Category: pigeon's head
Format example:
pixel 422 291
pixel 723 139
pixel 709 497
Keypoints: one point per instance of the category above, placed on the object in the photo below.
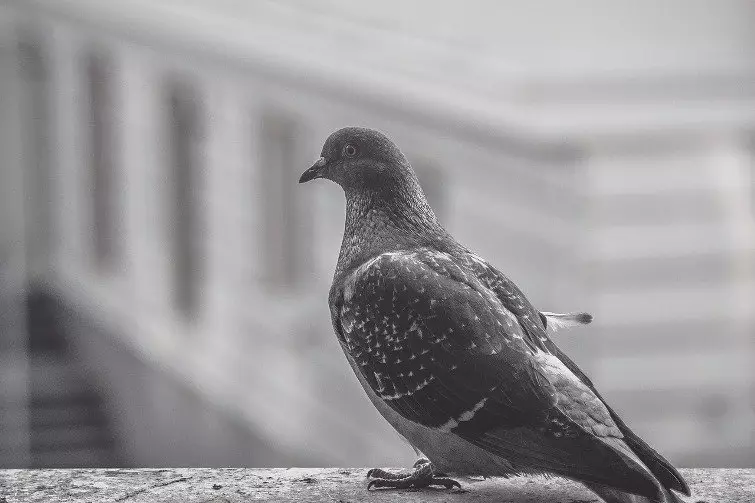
pixel 361 160
pixel 385 206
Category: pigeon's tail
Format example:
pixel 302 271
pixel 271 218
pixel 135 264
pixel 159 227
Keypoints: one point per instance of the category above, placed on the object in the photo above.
pixel 664 494
pixel 611 495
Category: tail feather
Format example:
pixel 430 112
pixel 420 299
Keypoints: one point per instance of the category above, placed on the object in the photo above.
pixel 664 471
pixel 611 495
pixel 664 493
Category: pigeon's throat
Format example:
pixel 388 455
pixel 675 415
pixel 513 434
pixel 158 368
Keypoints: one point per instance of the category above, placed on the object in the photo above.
pixel 375 225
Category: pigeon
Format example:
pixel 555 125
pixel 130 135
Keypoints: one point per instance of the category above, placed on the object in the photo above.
pixel 453 354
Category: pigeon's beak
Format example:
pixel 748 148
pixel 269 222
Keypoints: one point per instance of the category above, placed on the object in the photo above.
pixel 316 171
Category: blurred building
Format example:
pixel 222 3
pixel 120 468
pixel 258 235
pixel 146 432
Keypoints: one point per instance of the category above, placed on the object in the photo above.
pixel 599 153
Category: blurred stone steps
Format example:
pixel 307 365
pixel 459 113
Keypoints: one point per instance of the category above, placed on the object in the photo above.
pixel 50 414
pixel 57 378
pixel 69 437
pixel 85 457
pixel 68 424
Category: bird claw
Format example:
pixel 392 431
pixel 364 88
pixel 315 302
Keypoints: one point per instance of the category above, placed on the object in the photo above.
pixel 422 476
pixel 446 482
pixel 377 473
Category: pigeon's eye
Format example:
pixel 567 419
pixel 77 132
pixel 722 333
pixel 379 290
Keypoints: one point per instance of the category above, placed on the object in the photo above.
pixel 349 150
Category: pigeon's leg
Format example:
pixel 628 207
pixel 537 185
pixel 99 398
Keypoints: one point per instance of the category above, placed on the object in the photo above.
pixel 422 476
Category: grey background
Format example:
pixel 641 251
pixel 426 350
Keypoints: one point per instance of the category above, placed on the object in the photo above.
pixel 163 279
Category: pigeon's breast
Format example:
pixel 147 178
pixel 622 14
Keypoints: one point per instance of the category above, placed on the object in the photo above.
pixel 449 453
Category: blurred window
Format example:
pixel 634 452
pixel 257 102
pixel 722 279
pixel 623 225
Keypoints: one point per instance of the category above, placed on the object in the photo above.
pixel 185 182
pixel 36 144
pixel 101 129
pixel 284 236
pixel 432 179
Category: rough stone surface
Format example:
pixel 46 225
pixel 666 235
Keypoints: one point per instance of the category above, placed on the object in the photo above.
pixel 332 485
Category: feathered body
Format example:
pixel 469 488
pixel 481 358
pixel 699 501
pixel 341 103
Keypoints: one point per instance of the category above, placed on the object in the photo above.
pixel 453 354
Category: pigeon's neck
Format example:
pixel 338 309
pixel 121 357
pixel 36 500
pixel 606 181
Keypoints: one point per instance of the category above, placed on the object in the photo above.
pixel 377 224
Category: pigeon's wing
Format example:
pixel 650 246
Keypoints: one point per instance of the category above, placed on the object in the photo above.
pixel 422 334
pixel 538 334
pixel 511 297
pixel 442 350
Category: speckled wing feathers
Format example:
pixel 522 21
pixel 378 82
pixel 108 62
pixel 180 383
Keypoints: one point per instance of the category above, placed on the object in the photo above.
pixel 420 326
pixel 440 346
pixel 420 330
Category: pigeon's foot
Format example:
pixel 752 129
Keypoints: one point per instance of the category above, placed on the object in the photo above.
pixel 422 476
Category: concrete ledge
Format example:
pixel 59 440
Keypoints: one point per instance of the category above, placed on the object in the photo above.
pixel 332 485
